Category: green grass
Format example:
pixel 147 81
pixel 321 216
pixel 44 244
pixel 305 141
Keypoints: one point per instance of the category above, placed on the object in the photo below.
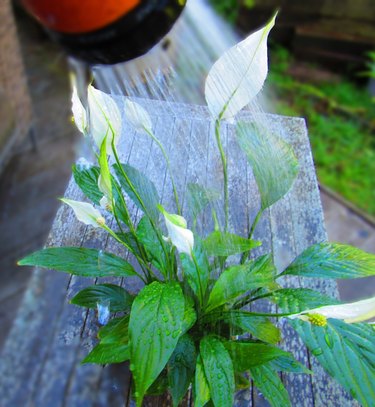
pixel 340 119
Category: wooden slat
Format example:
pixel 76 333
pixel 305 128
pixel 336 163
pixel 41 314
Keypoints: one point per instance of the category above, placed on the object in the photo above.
pixel 42 368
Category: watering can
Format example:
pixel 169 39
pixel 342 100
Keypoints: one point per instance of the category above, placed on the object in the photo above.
pixel 106 32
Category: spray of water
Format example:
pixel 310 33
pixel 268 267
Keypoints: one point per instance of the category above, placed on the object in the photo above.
pixel 173 71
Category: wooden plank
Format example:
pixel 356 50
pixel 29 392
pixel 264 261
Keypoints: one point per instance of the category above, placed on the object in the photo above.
pixel 46 367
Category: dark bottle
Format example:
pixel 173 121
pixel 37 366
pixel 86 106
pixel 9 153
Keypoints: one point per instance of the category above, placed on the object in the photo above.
pixel 106 31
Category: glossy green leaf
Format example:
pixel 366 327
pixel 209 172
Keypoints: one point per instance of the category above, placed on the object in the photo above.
pixel 118 298
pixel 202 394
pixel 260 327
pixel 287 363
pixel 227 244
pixel 132 242
pixel 346 351
pixel 104 182
pixel 155 327
pixel 272 160
pixel 246 354
pixel 116 331
pixel 87 180
pixel 237 280
pixel 196 271
pixel 333 260
pixel 218 369
pixel 190 315
pixel 147 236
pixel 269 384
pixel 140 189
pixel 238 75
pixel 198 198
pixel 296 300
pixel 181 368
pixel 79 261
pixel 104 354
pixel 113 346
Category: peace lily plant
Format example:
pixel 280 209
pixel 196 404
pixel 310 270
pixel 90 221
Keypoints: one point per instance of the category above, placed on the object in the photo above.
pixel 189 328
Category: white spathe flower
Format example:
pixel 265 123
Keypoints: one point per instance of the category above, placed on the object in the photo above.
pixel 350 313
pixel 79 112
pixel 178 234
pixel 105 118
pixel 137 116
pixel 238 75
pixel 85 212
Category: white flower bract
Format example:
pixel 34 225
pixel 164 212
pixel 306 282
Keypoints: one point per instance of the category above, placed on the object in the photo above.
pixel 137 116
pixel 178 234
pixel 105 118
pixel 350 313
pixel 85 212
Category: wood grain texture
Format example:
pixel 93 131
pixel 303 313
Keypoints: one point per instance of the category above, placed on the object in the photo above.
pixel 40 360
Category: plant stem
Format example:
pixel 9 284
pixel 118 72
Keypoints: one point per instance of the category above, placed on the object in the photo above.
pixel 199 278
pixel 247 301
pixel 219 314
pixel 168 167
pixel 225 171
pixel 113 234
pixel 131 186
pixel 245 255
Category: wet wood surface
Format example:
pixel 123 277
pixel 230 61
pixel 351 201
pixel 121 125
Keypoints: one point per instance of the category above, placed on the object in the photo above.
pixel 40 363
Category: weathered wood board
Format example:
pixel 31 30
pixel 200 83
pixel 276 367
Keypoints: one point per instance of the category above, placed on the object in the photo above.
pixel 40 363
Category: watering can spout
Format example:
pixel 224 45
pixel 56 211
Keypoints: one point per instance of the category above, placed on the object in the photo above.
pixel 106 32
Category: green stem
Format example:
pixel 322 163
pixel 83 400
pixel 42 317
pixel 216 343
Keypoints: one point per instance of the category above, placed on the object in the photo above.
pixel 225 172
pixel 199 279
pixel 247 301
pixel 168 167
pixel 113 234
pixel 131 186
pixel 131 227
pixel 219 314
pixel 245 255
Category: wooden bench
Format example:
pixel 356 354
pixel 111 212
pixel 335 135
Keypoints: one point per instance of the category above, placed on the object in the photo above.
pixel 40 364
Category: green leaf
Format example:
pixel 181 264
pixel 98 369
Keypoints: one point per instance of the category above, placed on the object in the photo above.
pixel 226 244
pixel 246 354
pixel 218 369
pixel 113 346
pixel 196 272
pixel 202 393
pixel 198 198
pixel 155 327
pixel 181 367
pixel 273 162
pixel 119 299
pixel 105 175
pixel 296 300
pixel 346 351
pixel 160 385
pixel 269 384
pixel 287 363
pixel 104 354
pixel 148 237
pixel 333 260
pixel 260 327
pixel 238 75
pixel 80 261
pixel 116 331
pixel 190 315
pixel 132 242
pixel 140 189
pixel 238 280
pixel 87 180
